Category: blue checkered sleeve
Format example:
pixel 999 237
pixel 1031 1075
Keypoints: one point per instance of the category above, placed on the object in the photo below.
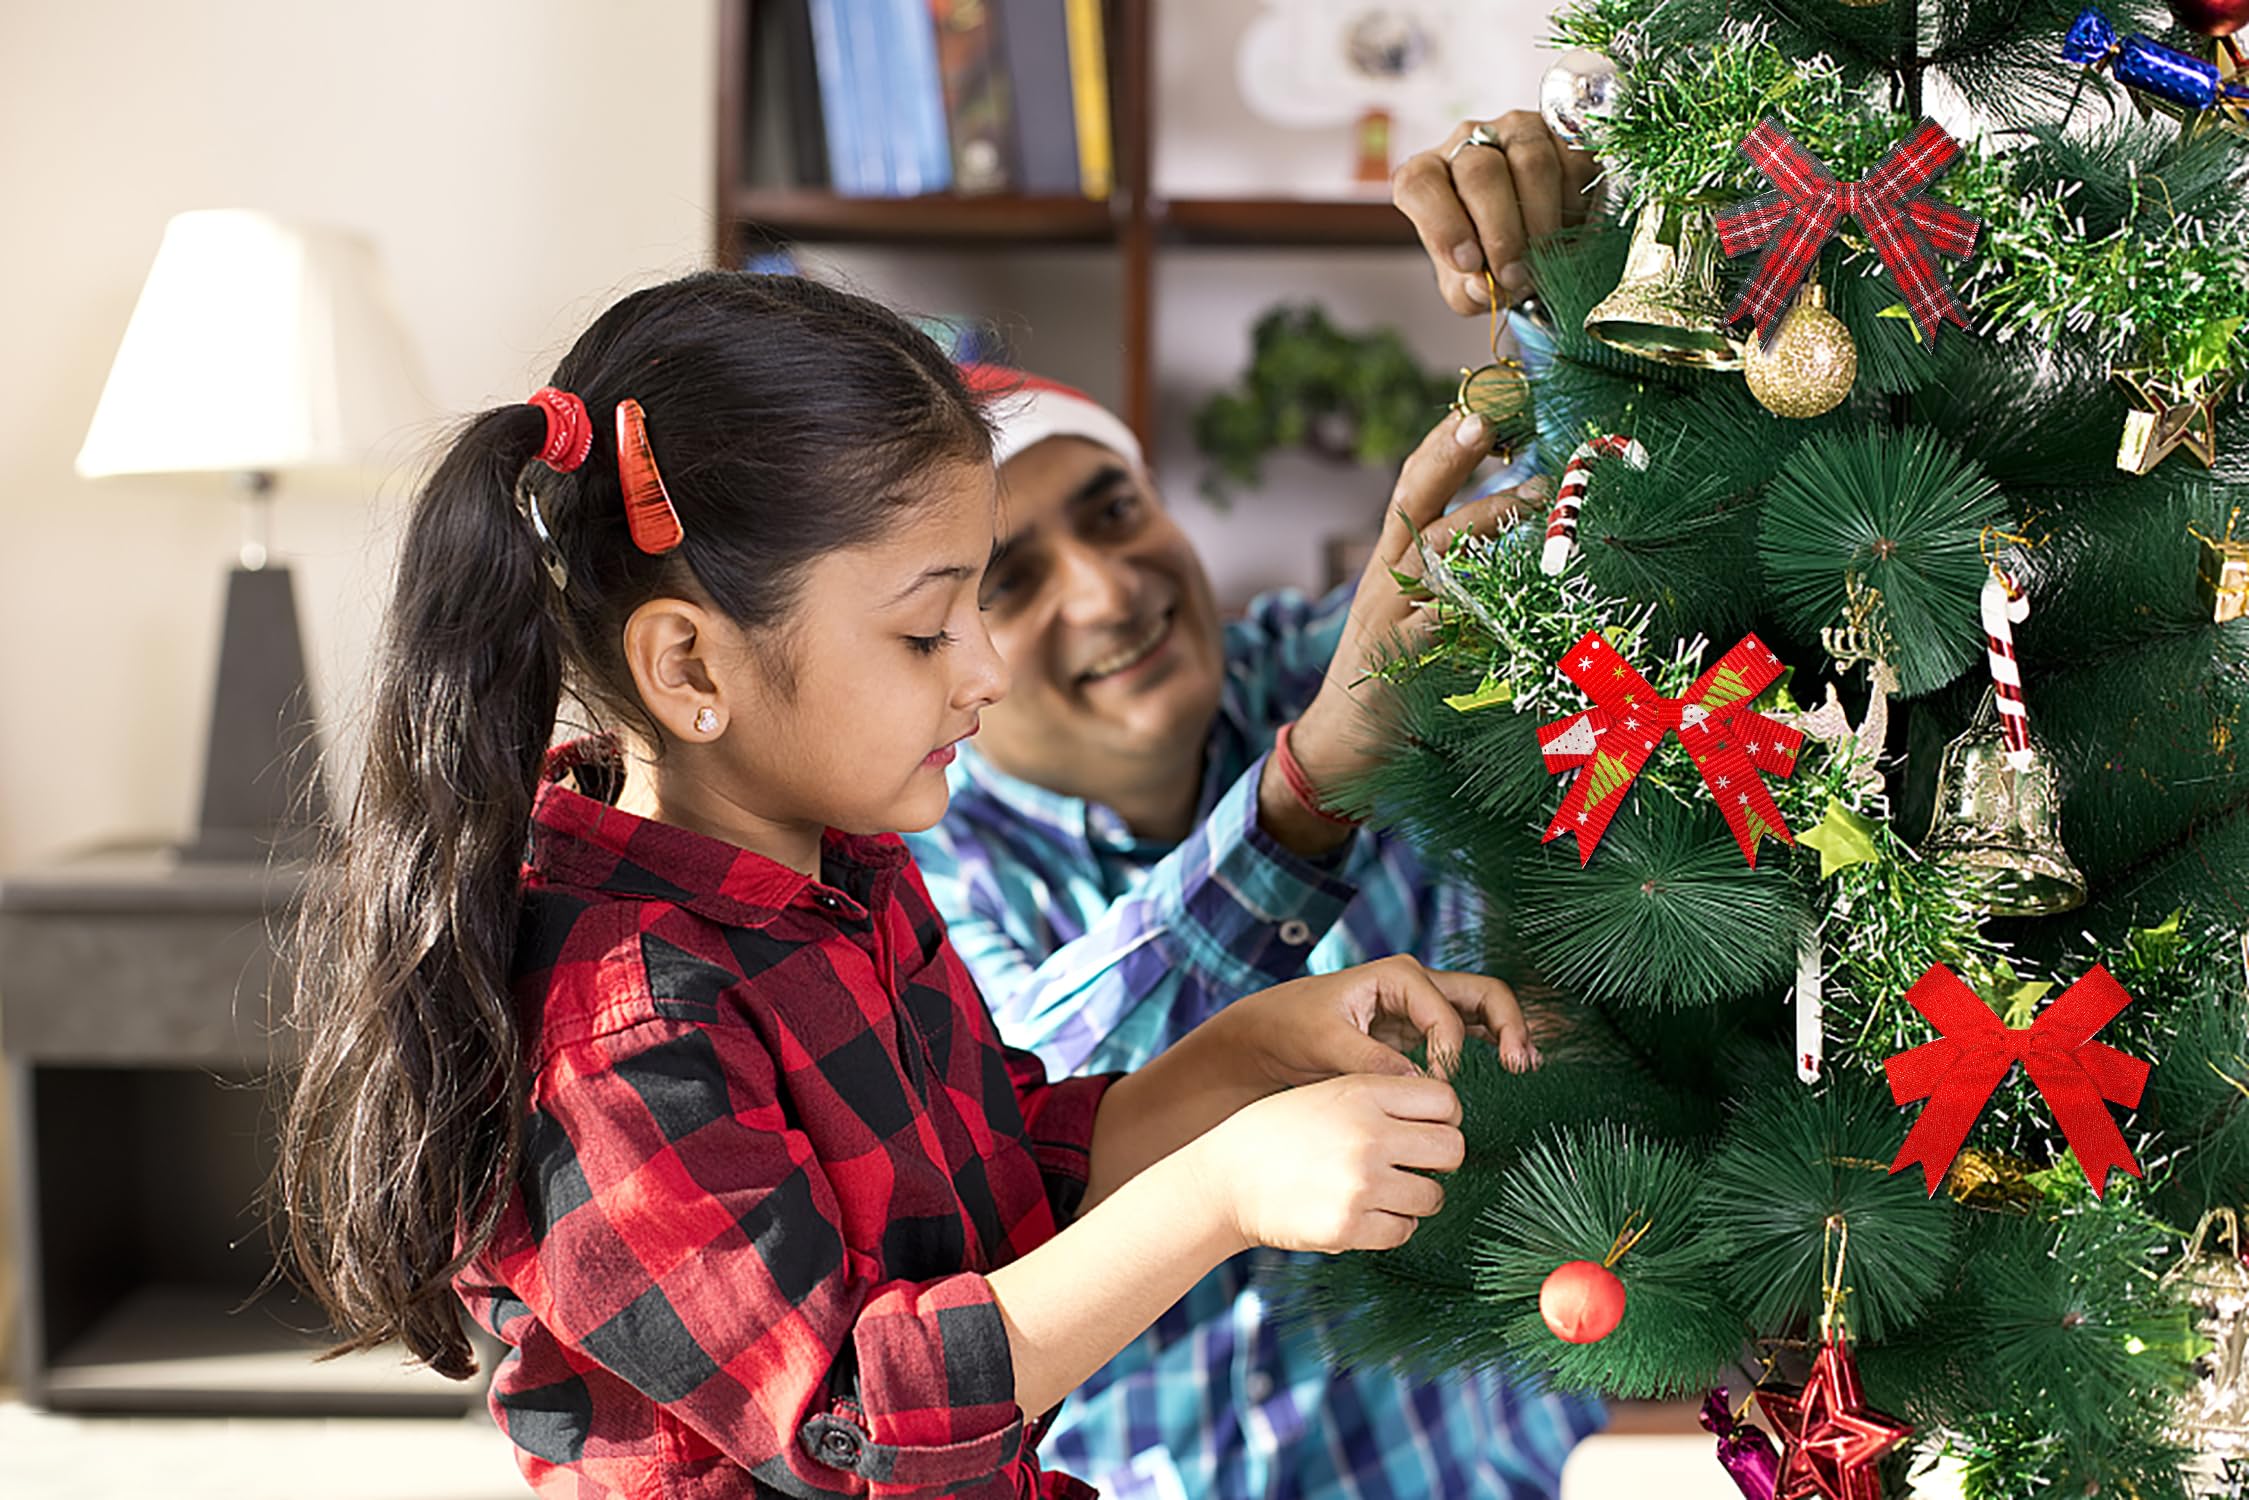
pixel 1229 911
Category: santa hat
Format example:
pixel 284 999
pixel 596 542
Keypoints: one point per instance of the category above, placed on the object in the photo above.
pixel 1025 409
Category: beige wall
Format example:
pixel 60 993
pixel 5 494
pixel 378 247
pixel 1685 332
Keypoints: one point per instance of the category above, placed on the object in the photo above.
pixel 516 161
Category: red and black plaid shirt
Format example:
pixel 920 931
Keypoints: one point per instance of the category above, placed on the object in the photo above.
pixel 774 1141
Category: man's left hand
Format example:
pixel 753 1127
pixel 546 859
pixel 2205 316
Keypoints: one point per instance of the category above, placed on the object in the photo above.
pixel 1332 741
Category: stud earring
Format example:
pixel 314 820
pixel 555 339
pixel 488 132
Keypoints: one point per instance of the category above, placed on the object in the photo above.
pixel 706 720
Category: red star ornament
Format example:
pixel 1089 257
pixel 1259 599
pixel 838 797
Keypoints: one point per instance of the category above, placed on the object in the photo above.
pixel 1830 1438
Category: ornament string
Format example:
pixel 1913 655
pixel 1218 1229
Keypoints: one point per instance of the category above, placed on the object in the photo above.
pixel 2232 517
pixel 1835 1240
pixel 1627 1237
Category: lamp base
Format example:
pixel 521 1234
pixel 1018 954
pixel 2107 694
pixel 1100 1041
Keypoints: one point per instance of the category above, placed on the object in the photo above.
pixel 262 794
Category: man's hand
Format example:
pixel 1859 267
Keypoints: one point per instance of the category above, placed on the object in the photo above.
pixel 1478 206
pixel 1331 741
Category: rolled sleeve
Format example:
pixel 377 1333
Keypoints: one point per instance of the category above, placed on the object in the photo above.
pixel 692 1248
pixel 935 1403
pixel 1251 909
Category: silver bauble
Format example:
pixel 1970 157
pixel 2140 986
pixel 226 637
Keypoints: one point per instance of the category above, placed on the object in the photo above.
pixel 1581 87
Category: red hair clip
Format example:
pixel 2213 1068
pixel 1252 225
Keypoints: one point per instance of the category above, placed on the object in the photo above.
pixel 648 507
pixel 569 429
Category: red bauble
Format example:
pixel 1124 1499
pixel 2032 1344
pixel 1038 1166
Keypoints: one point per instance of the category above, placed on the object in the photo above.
pixel 1582 1301
pixel 2211 17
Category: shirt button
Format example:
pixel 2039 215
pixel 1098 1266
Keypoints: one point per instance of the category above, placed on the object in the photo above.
pixel 1295 932
pixel 1258 1387
pixel 828 900
pixel 839 1445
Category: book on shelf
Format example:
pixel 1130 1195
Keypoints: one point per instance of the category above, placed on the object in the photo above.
pixel 1035 36
pixel 977 112
pixel 787 141
pixel 845 131
pixel 1089 96
pixel 903 98
pixel 921 153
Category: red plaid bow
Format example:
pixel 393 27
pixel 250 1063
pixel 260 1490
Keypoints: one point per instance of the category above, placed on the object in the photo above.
pixel 1974 1049
pixel 1729 741
pixel 1909 231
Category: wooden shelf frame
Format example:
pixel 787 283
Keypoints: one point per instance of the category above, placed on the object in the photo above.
pixel 1133 223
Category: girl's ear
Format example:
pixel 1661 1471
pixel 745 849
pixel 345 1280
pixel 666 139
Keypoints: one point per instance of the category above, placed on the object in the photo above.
pixel 688 679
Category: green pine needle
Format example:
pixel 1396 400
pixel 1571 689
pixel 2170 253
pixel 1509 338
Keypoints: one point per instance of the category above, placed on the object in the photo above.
pixel 1573 1196
pixel 1667 913
pixel 1792 1158
pixel 1902 513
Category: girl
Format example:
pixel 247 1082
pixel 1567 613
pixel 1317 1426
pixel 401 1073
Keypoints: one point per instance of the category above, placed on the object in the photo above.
pixel 660 1060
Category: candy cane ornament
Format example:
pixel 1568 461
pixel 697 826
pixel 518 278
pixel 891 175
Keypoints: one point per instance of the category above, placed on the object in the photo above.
pixel 1561 522
pixel 2004 605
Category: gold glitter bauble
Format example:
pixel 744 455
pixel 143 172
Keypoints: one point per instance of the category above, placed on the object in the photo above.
pixel 1811 365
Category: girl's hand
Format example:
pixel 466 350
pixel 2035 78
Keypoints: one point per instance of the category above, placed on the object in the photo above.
pixel 1364 1019
pixel 1326 1166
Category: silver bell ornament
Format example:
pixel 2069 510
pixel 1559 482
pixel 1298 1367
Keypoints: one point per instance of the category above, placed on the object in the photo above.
pixel 2002 827
pixel 1582 86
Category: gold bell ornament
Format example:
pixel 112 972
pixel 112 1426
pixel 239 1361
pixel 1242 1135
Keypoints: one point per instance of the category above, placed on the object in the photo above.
pixel 1666 305
pixel 1812 363
pixel 2212 1418
pixel 2000 825
pixel 2221 578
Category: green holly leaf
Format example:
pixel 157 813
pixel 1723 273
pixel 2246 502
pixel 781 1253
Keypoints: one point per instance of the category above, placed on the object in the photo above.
pixel 1843 839
pixel 2156 947
pixel 1491 691
pixel 2013 997
pixel 2207 354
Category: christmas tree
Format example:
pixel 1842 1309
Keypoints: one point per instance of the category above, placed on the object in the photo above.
pixel 1869 756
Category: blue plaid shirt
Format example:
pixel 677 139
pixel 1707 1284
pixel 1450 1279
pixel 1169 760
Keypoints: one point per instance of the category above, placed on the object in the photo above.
pixel 1097 950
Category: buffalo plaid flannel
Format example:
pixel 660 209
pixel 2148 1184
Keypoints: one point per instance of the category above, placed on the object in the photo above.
pixel 774 1140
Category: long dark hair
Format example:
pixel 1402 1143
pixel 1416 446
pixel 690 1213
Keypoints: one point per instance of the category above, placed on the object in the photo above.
pixel 785 415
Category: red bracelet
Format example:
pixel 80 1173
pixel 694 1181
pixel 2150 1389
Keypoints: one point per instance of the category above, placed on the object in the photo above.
pixel 1299 784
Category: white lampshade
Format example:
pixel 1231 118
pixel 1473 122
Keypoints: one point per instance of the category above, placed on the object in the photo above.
pixel 258 344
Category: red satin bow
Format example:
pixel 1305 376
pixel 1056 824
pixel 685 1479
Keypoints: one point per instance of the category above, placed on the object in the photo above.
pixel 1909 231
pixel 1957 1072
pixel 1729 741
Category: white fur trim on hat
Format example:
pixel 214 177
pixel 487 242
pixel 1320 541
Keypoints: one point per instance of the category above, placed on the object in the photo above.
pixel 1028 410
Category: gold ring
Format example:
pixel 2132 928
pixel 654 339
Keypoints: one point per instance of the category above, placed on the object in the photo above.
pixel 1477 136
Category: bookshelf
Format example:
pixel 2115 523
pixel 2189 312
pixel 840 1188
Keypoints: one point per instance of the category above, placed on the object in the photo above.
pixel 1133 224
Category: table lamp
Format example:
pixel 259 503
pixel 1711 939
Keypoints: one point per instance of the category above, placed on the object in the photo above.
pixel 259 346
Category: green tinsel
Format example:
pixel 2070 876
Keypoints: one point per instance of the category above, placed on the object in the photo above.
pixel 2114 255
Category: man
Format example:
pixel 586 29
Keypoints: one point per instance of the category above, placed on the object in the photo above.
pixel 1132 844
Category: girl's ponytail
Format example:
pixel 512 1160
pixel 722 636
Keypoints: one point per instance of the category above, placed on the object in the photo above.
pixel 404 1131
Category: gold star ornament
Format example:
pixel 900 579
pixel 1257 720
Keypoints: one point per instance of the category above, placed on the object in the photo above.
pixel 2169 414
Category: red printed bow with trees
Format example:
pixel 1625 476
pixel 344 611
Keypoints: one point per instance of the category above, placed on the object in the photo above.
pixel 1729 742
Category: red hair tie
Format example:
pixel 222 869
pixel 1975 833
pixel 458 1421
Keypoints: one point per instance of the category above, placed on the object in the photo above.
pixel 648 507
pixel 569 429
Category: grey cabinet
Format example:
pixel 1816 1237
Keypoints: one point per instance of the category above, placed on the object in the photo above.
pixel 145 1068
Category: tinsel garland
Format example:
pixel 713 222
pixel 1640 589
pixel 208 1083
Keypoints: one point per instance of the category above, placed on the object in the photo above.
pixel 2154 279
